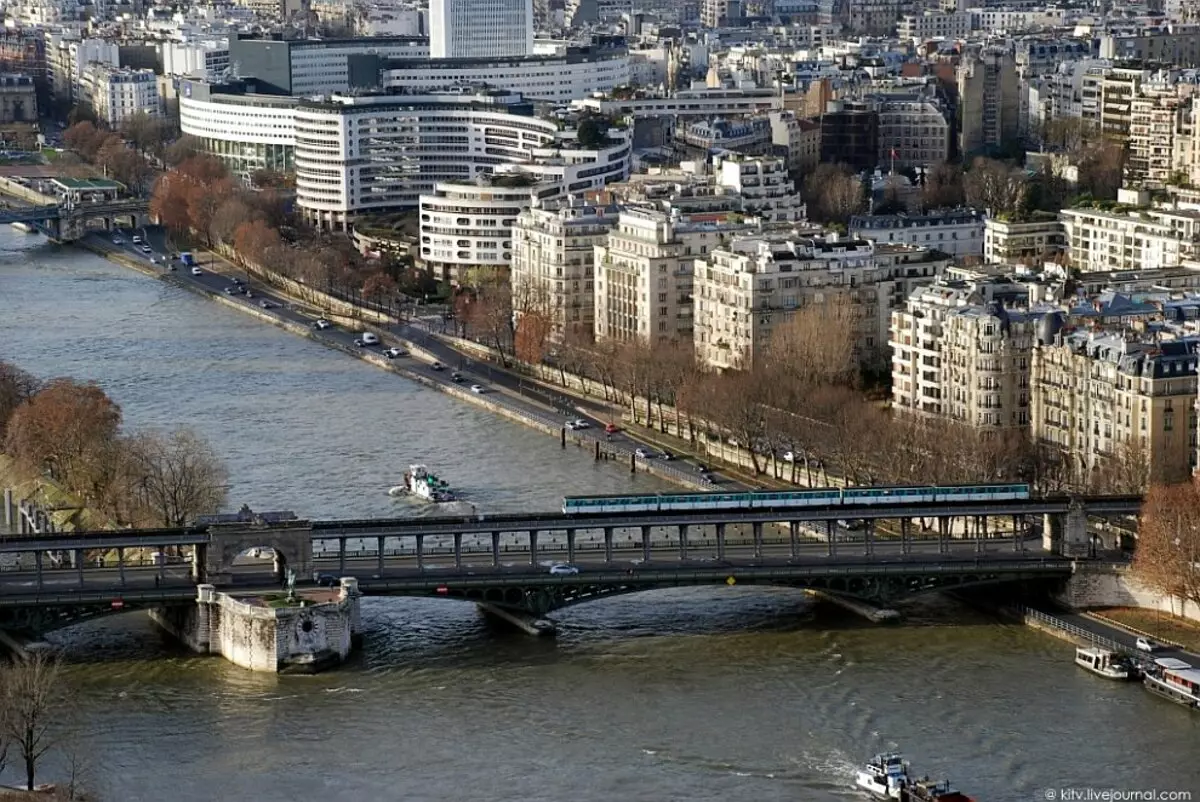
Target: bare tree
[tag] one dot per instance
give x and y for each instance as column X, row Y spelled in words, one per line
column 817, row 345
column 179, row 476
column 16, row 387
column 995, row 186
column 1126, row 470
column 943, row 187
column 32, row 702
column 833, row 193
column 1168, row 550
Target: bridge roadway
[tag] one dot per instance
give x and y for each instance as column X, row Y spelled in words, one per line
column 556, row 521
column 403, row 570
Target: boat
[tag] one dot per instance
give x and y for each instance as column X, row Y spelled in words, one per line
column 884, row 776
column 28, row 229
column 1105, row 663
column 419, row 482
column 1175, row 680
column 925, row 790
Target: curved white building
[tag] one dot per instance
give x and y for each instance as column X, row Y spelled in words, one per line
column 569, row 74
column 470, row 225
column 247, row 131
column 365, row 154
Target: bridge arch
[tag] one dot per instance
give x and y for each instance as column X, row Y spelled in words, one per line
column 290, row 540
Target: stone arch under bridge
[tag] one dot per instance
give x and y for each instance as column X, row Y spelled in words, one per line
column 290, row 537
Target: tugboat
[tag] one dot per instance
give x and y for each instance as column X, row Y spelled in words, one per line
column 419, row 482
column 927, row 791
column 884, row 777
column 1104, row 663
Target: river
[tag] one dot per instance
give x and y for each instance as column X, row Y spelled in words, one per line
column 700, row 694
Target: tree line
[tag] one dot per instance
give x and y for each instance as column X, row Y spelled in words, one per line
column 1168, row 545
column 71, row 432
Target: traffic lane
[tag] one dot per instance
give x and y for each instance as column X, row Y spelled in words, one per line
column 93, row 579
column 1126, row 639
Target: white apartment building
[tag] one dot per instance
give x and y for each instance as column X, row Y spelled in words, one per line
column 745, row 291
column 470, row 225
column 958, row 232
column 480, row 28
column 913, row 132
column 553, row 257
column 704, row 103
column 763, row 183
column 246, row 131
column 1009, row 20
column 67, row 58
column 362, row 154
column 1142, row 239
column 207, row 58
column 117, row 94
column 560, row 77
column 959, row 353
column 1152, row 125
column 644, row 274
column 934, row 25
column 1028, row 241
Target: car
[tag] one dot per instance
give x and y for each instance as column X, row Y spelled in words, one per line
column 137, row 240
column 146, row 249
column 437, row 366
column 579, row 424
column 562, row 569
column 197, row 271
column 641, row 452
column 369, row 338
column 267, row 304
column 322, row 324
column 327, row 580
column 667, row 456
column 231, row 290
column 392, row 353
column 237, row 281
column 701, row 467
column 1146, row 645
column 478, row 389
column 789, row 456
column 358, row 342
column 611, row 428
column 118, row 241
column 456, row 377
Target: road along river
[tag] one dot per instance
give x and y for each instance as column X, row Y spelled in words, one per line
column 700, row 694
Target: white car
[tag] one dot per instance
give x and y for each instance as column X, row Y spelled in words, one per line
column 789, row 456
column 369, row 339
column 137, row 240
column 579, row 424
column 322, row 324
column 118, row 241
column 197, row 271
column 1146, row 645
column 392, row 353
column 641, row 452
column 563, row 569
column 478, row 389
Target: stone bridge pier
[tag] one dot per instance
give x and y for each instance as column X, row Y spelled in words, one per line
column 1068, row 534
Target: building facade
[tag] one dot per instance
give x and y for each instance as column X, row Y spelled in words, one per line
column 1145, row 239
column 913, row 132
column 245, row 130
column 117, row 94
column 480, row 28
column 957, row 232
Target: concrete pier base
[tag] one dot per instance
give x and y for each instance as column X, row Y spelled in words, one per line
column 527, row 623
column 871, row 612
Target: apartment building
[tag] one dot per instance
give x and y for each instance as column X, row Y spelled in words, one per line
column 957, row 232
column 1168, row 44
column 644, row 273
column 553, row 257
column 745, row 291
column 1096, row 395
column 117, row 94
column 465, row 226
column 796, row 139
column 480, row 28
column 1026, row 241
column 850, row 134
column 913, row 132
column 961, row 350
column 934, row 25
column 763, row 184
column 1134, row 239
column 988, row 100
column 1150, row 156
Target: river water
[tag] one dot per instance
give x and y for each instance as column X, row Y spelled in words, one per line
column 700, row 694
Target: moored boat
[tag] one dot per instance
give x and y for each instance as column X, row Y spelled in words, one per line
column 1175, row 680
column 28, row 229
column 926, row 790
column 1105, row 663
column 884, row 776
column 419, row 482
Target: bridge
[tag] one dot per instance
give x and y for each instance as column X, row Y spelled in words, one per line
column 68, row 222
column 901, row 550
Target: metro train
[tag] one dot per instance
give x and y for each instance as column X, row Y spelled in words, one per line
column 770, row 499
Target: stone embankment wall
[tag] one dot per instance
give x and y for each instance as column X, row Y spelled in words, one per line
column 263, row 638
column 1095, row 586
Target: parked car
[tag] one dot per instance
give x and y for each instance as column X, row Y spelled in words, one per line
column 478, row 389
column 1148, row 646
column 563, row 569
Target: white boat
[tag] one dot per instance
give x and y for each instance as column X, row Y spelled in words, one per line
column 1174, row 680
column 419, row 482
column 28, row 229
column 1104, row 663
column 884, row 777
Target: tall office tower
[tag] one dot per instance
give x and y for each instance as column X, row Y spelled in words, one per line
column 480, row 28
